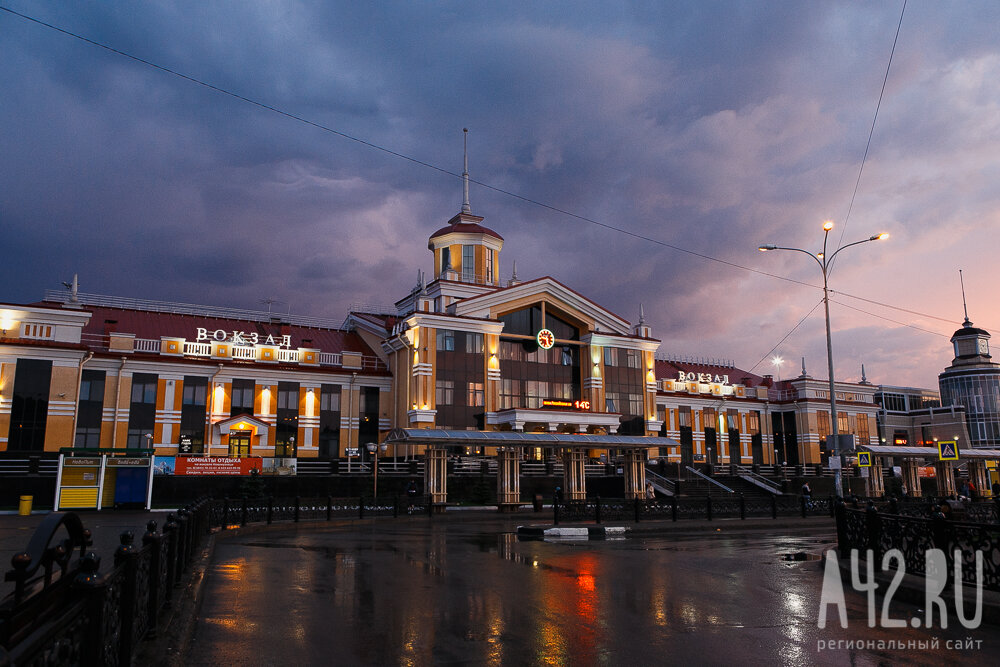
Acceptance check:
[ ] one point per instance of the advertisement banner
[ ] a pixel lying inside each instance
(216, 465)
(280, 466)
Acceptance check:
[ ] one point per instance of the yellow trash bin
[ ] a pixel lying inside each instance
(24, 509)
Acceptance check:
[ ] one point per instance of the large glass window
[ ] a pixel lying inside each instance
(29, 406)
(445, 340)
(242, 400)
(461, 365)
(194, 412)
(444, 392)
(141, 410)
(287, 419)
(468, 263)
(329, 421)
(90, 410)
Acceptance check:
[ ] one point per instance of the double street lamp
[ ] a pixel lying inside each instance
(824, 261)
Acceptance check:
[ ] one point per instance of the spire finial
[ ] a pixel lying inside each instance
(864, 378)
(965, 307)
(466, 207)
(804, 374)
(642, 315)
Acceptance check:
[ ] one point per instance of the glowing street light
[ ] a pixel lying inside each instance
(776, 361)
(824, 262)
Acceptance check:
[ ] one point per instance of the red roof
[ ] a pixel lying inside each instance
(153, 325)
(465, 223)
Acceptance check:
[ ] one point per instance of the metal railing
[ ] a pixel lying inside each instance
(705, 477)
(661, 483)
(63, 612)
(912, 537)
(757, 480)
(673, 508)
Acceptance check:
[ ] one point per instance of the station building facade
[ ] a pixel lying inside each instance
(462, 351)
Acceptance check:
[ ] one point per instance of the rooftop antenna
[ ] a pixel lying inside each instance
(966, 323)
(74, 288)
(270, 301)
(466, 207)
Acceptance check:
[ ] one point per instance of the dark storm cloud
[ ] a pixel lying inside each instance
(713, 126)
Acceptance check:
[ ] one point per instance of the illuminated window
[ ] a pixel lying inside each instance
(468, 263)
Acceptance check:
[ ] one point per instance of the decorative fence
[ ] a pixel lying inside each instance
(233, 513)
(69, 613)
(913, 536)
(674, 508)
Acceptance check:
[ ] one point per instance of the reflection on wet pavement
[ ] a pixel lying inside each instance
(421, 593)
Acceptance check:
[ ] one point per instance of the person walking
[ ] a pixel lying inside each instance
(650, 491)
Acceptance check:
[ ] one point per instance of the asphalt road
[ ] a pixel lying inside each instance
(470, 592)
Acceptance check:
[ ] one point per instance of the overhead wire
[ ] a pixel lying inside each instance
(442, 170)
(871, 133)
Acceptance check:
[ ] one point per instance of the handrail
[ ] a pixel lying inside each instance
(709, 479)
(758, 480)
(661, 483)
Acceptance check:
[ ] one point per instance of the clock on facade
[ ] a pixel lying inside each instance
(546, 339)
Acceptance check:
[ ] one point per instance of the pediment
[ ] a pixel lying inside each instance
(554, 294)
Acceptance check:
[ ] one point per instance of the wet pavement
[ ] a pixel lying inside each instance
(470, 592)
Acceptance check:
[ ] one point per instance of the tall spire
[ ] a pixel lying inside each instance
(966, 323)
(466, 207)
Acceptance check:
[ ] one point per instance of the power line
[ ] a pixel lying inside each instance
(442, 170)
(871, 132)
(786, 337)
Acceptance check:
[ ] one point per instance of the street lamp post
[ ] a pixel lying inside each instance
(824, 262)
(374, 449)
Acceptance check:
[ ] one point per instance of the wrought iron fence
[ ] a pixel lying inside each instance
(674, 508)
(913, 536)
(232, 513)
(63, 612)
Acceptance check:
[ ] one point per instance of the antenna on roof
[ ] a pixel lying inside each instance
(270, 301)
(74, 289)
(466, 207)
(966, 323)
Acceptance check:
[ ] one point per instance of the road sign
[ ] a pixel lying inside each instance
(948, 450)
(865, 459)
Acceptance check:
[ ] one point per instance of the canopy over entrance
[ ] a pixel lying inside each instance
(508, 444)
(521, 439)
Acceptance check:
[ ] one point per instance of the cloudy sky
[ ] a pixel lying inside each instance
(691, 131)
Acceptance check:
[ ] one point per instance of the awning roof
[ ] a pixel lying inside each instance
(929, 452)
(521, 439)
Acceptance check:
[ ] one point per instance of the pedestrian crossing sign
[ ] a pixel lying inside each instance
(948, 450)
(865, 459)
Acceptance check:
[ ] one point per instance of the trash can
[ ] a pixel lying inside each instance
(538, 502)
(24, 509)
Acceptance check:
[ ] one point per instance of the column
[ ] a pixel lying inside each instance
(436, 474)
(635, 473)
(574, 479)
(945, 478)
(979, 477)
(875, 483)
(508, 478)
(911, 477)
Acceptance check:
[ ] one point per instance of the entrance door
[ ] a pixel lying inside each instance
(239, 444)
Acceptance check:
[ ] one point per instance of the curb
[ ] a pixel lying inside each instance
(573, 532)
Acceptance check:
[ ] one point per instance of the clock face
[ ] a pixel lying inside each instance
(546, 339)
